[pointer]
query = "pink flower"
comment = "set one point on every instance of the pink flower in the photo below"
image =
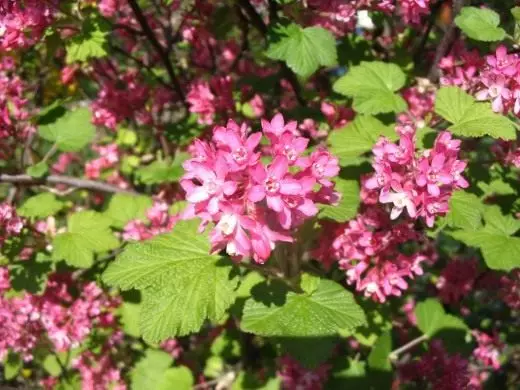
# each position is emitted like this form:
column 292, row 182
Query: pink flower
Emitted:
column 254, row 204
column 401, row 198
column 214, row 185
column 488, row 350
column 272, row 183
column 496, row 90
column 277, row 126
column 457, row 280
column 239, row 151
column 420, row 183
column 290, row 146
column 296, row 377
column 201, row 101
column 434, row 174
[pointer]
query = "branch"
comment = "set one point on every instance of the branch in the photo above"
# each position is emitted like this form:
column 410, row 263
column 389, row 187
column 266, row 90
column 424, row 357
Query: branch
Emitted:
column 163, row 55
column 446, row 42
column 141, row 64
column 66, row 180
column 395, row 354
column 434, row 13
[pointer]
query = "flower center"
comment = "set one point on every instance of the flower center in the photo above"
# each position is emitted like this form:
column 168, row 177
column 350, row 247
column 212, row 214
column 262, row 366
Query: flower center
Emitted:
column 319, row 169
column 211, row 187
column 290, row 153
column 227, row 224
column 240, row 154
column 271, row 185
column 433, row 176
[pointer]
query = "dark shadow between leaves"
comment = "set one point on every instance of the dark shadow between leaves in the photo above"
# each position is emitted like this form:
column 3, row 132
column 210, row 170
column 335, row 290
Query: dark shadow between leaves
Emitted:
column 310, row 352
column 272, row 292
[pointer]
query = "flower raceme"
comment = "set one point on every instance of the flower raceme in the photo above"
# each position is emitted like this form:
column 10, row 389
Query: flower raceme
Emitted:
column 367, row 249
column 420, row 183
column 256, row 193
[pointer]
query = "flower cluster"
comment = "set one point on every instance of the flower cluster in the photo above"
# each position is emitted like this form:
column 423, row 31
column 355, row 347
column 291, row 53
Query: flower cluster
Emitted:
column 457, row 280
column 65, row 320
column 115, row 104
column 494, row 78
column 22, row 23
column 255, row 203
column 159, row 221
column 368, row 249
column 108, row 158
column 437, row 368
column 98, row 370
column 10, row 223
column 295, row 377
column 207, row 99
column 510, row 289
column 420, row 100
column 488, row 350
column 342, row 17
column 14, row 112
column 421, row 183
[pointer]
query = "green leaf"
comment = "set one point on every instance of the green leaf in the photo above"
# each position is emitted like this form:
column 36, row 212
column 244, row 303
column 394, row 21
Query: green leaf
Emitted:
column 226, row 345
column 515, row 11
column 431, row 318
column 160, row 171
column 91, row 42
column 358, row 137
column 496, row 187
column 499, row 249
column 379, row 357
column 471, row 119
column 480, row 24
column 348, row 205
column 156, row 262
column 124, row 208
column 192, row 297
column 126, row 137
column 214, row 367
column 372, row 85
column 40, row 206
column 71, row 132
column 130, row 318
column 303, row 49
column 178, row 378
column 321, row 313
column 149, row 371
column 30, row 276
column 12, row 366
column 51, row 365
column 499, row 222
column 465, row 211
column 88, row 233
column 38, row 170
column 186, row 284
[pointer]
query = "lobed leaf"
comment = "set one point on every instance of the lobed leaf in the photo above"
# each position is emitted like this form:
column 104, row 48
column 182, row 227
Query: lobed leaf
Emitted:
column 372, row 85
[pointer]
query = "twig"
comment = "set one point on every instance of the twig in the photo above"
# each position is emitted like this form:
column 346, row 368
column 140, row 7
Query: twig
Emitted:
column 163, row 55
column 222, row 382
column 431, row 22
column 244, row 26
column 141, row 64
column 395, row 354
column 66, row 180
column 446, row 42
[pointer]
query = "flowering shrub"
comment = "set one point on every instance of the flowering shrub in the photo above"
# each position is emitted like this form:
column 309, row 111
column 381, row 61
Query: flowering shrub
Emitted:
column 259, row 194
